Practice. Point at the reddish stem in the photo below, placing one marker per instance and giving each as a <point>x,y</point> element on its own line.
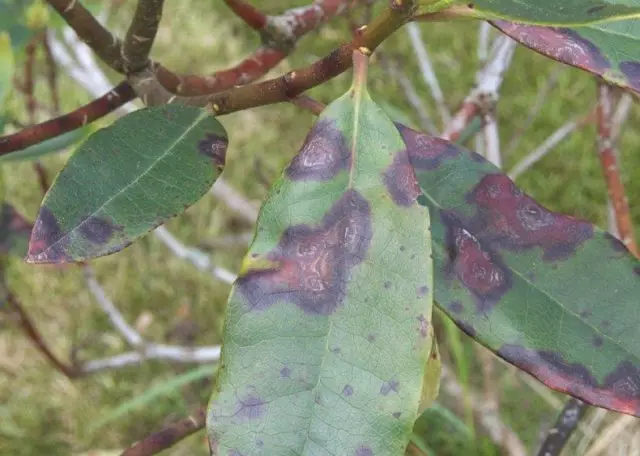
<point>169,436</point>
<point>611,170</point>
<point>37,339</point>
<point>250,15</point>
<point>460,120</point>
<point>100,107</point>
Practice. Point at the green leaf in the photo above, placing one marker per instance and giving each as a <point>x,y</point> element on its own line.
<point>609,50</point>
<point>327,331</point>
<point>14,231</point>
<point>6,67</point>
<point>49,146</point>
<point>127,179</point>
<point>553,295</point>
<point>550,12</point>
<point>14,21</point>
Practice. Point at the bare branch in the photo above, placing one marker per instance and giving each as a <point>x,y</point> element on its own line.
<point>141,35</point>
<point>196,257</point>
<point>611,170</point>
<point>567,422</point>
<point>250,15</point>
<point>98,38</point>
<point>427,71</point>
<point>169,435</point>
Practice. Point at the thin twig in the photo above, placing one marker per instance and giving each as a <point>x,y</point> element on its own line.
<point>97,37</point>
<point>98,108</point>
<point>621,115</point>
<point>141,35</point>
<point>36,338</point>
<point>611,170</point>
<point>411,94</point>
<point>541,97</point>
<point>28,85</point>
<point>492,140</point>
<point>234,200</point>
<point>169,435</point>
<point>484,37</point>
<point>198,258</point>
<point>566,423</point>
<point>427,71</point>
<point>552,141</point>
<point>250,15</point>
<point>52,75</point>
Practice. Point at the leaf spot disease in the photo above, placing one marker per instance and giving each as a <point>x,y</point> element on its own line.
<point>347,390</point>
<point>426,152</point>
<point>46,238</point>
<point>396,415</point>
<point>510,219</point>
<point>98,230</point>
<point>323,155</point>
<point>214,147</point>
<point>388,387</point>
<point>285,372</point>
<point>597,341</point>
<point>400,180</point>
<point>423,325</point>
<point>363,451</point>
<point>620,389</point>
<point>313,262</point>
<point>250,408</point>
<point>631,70</point>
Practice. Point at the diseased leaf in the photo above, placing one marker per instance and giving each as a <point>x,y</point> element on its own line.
<point>550,12</point>
<point>551,294</point>
<point>610,50</point>
<point>127,179</point>
<point>327,335</point>
<point>14,231</point>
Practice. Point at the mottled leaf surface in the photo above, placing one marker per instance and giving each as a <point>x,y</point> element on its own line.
<point>609,50</point>
<point>14,231</point>
<point>549,293</point>
<point>127,179</point>
<point>327,330</point>
<point>552,12</point>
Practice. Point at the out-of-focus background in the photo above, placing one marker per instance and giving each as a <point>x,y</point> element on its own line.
<point>169,300</point>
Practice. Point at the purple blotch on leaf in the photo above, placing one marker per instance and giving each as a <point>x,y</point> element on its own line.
<point>323,155</point>
<point>214,147</point>
<point>455,307</point>
<point>508,218</point>
<point>388,387</point>
<point>400,180</point>
<point>285,372</point>
<point>396,414</point>
<point>233,453</point>
<point>46,237</point>
<point>371,338</point>
<point>477,267</point>
<point>314,262</point>
<point>597,341</point>
<point>615,243</point>
<point>426,152</point>
<point>423,325</point>
<point>347,390</point>
<point>562,44</point>
<point>595,9</point>
<point>632,71</point>
<point>364,451</point>
<point>422,291</point>
<point>98,230</point>
<point>250,408</point>
<point>636,270</point>
<point>466,328</point>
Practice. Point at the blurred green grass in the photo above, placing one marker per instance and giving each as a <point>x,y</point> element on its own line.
<point>43,413</point>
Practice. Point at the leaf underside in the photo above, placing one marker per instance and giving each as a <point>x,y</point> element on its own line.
<point>551,294</point>
<point>327,333</point>
<point>550,12</point>
<point>127,179</point>
<point>609,50</point>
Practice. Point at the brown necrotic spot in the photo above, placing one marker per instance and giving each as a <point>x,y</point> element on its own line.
<point>314,262</point>
<point>214,147</point>
<point>390,386</point>
<point>631,70</point>
<point>479,269</point>
<point>98,230</point>
<point>323,155</point>
<point>620,390</point>
<point>508,218</point>
<point>400,180</point>
<point>47,243</point>
<point>347,390</point>
<point>561,44</point>
<point>426,152</point>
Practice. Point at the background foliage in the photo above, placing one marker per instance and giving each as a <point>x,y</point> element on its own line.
<point>169,300</point>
